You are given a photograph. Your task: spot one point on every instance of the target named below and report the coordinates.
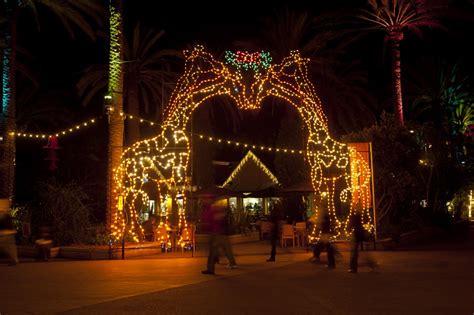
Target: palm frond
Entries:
(463, 117)
(74, 13)
(397, 15)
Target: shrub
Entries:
(62, 207)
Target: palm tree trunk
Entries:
(116, 126)
(7, 124)
(395, 39)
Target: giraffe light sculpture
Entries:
(163, 160)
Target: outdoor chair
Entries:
(300, 230)
(266, 227)
(287, 233)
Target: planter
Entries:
(94, 253)
(33, 252)
(82, 253)
(234, 239)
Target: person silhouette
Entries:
(357, 238)
(219, 228)
(275, 216)
(324, 243)
(7, 237)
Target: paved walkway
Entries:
(414, 282)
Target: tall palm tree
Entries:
(71, 14)
(394, 17)
(115, 92)
(148, 78)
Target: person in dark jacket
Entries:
(7, 237)
(219, 228)
(275, 216)
(324, 243)
(357, 238)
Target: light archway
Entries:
(164, 159)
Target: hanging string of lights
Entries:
(203, 137)
(61, 133)
(234, 143)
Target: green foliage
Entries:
(21, 214)
(413, 165)
(458, 207)
(398, 187)
(442, 100)
(463, 117)
(239, 221)
(62, 207)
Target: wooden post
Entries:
(373, 192)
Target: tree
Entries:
(71, 14)
(441, 98)
(148, 77)
(394, 17)
(64, 208)
(114, 111)
(398, 186)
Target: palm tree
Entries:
(147, 78)
(115, 108)
(441, 97)
(394, 17)
(71, 15)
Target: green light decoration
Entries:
(248, 61)
(114, 56)
(6, 79)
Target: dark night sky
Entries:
(216, 25)
(59, 59)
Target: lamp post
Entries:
(108, 106)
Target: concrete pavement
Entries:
(408, 283)
(414, 282)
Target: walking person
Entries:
(357, 240)
(219, 238)
(275, 216)
(7, 237)
(324, 243)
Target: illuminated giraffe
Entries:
(163, 160)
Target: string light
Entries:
(223, 140)
(60, 133)
(470, 207)
(6, 88)
(248, 145)
(163, 160)
(250, 156)
(115, 60)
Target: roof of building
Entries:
(250, 175)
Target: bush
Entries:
(62, 207)
(398, 186)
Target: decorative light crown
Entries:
(248, 61)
